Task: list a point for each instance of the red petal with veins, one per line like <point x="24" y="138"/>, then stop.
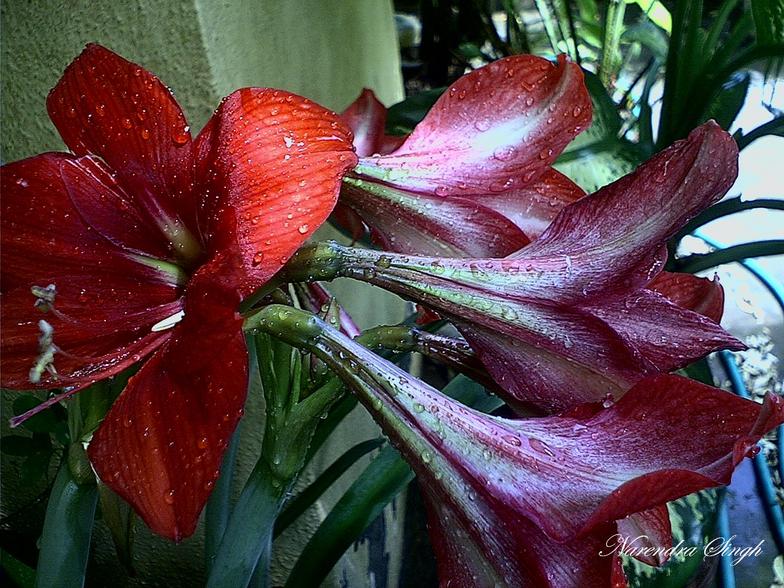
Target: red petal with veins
<point x="109" y="107"/>
<point x="687" y="291"/>
<point x="366" y="117"/>
<point x="105" y="301"/>
<point x="647" y="535"/>
<point x="623" y="226"/>
<point x="430" y="225"/>
<point x="279" y="160"/>
<point x="161" y="444"/>
<point x="497" y="128"/>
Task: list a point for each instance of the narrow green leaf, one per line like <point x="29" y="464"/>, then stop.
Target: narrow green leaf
<point x="313" y="492"/>
<point x="768" y="20"/>
<point x="726" y="105"/>
<point x="17" y="572"/>
<point x="119" y="517"/>
<point x="773" y="127"/>
<point x="703" y="261"/>
<point x="382" y="480"/>
<point x="68" y="526"/>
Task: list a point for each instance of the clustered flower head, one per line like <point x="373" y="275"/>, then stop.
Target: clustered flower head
<point x="139" y="245"/>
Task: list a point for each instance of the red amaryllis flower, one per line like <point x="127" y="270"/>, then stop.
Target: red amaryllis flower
<point x="475" y="177"/>
<point x="138" y="225"/>
<point x="581" y="303"/>
<point x="534" y="501"/>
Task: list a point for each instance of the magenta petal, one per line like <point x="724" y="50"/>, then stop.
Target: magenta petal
<point x="687" y="291"/>
<point x="533" y="207"/>
<point x="569" y="475"/>
<point x="491" y="551"/>
<point x="366" y="117"/>
<point x="615" y="233"/>
<point x="495" y="129"/>
<point x="430" y="225"/>
<point x="647" y="535"/>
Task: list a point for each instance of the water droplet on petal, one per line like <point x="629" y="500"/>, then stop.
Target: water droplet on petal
<point x="258" y="258"/>
<point x="303" y="229"/>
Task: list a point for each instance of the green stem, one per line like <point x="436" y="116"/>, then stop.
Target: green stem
<point x="702" y="261"/>
<point x="613" y="26"/>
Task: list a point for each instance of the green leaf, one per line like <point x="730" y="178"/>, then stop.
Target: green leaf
<point x="597" y="156"/>
<point x="703" y="261"/>
<point x="65" y="540"/>
<point x="20" y="446"/>
<point x="376" y="486"/>
<point x="21" y="575"/>
<point x="649" y="36"/>
<point x="404" y="116"/>
<point x="768" y="20"/>
<point x="773" y="127"/>
<point x="313" y="492"/>
<point x="724" y="108"/>
<point x="119" y="517"/>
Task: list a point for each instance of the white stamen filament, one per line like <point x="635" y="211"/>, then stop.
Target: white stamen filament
<point x="168" y="322"/>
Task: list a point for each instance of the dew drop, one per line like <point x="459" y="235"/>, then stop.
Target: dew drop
<point x="145" y="134"/>
<point x="258" y="258"/>
<point x="303" y="229"/>
<point x="168" y="497"/>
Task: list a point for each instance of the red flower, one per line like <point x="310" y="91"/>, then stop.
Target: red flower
<point x="583" y="303"/>
<point x="138" y="225"/>
<point x="474" y="179"/>
<point x="536" y="501"/>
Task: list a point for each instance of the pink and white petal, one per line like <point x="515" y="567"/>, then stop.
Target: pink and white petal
<point x="107" y="106"/>
<point x="421" y="224"/>
<point x="278" y="164"/>
<point x="488" y="550"/>
<point x="162" y="443"/>
<point x="497" y="128"/>
<point x="366" y="117"/>
<point x="647" y="535"/>
<point x="700" y="295"/>
<point x="533" y="207"/>
<point x="616" y="232"/>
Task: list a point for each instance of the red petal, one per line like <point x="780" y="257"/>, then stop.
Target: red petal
<point x="160" y="447"/>
<point x="647" y="535"/>
<point x="622" y="226"/>
<point x="110" y="107"/>
<point x="533" y="207"/>
<point x="687" y="291"/>
<point x="106" y="302"/>
<point x="430" y="225"/>
<point x="366" y="117"/>
<point x="279" y="160"/>
<point x="495" y="129"/>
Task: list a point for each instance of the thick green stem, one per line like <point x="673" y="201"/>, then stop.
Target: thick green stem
<point x="702" y="261"/>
